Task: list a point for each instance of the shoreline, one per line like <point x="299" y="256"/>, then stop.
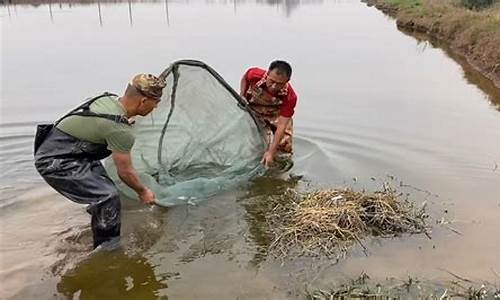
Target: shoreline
<point x="479" y="51"/>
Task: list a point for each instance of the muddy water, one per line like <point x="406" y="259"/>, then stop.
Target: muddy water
<point x="374" y="105"/>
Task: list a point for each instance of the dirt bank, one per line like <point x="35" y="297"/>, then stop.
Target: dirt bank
<point x="475" y="35"/>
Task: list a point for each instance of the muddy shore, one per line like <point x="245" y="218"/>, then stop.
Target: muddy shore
<point x="455" y="28"/>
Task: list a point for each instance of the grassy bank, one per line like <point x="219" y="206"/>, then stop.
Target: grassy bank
<point x="471" y="33"/>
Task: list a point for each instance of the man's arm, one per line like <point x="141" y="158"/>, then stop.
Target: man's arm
<point x="128" y="174"/>
<point x="268" y="157"/>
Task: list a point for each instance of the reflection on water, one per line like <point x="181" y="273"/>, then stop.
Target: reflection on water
<point x="470" y="74"/>
<point x="287" y="6"/>
<point x="108" y="275"/>
<point x="256" y="204"/>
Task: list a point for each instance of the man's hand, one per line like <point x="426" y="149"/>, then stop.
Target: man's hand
<point x="268" y="158"/>
<point x="147" y="196"/>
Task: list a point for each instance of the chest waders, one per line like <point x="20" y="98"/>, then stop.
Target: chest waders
<point x="73" y="168"/>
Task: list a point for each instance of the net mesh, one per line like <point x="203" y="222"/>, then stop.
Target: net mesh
<point x="200" y="140"/>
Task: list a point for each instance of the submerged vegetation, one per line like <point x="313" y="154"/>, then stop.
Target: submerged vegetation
<point x="326" y="222"/>
<point x="411" y="288"/>
<point x="470" y="27"/>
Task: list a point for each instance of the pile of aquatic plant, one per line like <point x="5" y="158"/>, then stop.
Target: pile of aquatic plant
<point x="325" y="222"/>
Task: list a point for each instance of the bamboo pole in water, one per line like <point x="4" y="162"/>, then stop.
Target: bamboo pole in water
<point x="166" y="12"/>
<point x="130" y="12"/>
<point x="50" y="12"/>
<point x="99" y="10"/>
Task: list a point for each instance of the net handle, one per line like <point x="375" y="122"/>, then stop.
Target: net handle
<point x="175" y="70"/>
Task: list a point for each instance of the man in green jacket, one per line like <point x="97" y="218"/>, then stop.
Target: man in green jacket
<point x="68" y="152"/>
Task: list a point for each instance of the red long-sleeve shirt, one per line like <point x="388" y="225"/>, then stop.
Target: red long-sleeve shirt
<point x="287" y="109"/>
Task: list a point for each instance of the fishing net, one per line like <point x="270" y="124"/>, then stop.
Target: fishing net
<point x="199" y="141"/>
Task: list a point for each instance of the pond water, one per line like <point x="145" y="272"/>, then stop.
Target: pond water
<point x="374" y="105"/>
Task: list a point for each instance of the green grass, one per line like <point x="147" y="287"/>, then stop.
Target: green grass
<point x="405" y="3"/>
<point x="477" y="4"/>
<point x="415" y="6"/>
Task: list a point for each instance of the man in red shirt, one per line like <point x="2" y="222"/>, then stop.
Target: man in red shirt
<point x="272" y="99"/>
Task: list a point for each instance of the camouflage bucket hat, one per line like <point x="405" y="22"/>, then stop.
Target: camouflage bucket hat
<point x="149" y="85"/>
